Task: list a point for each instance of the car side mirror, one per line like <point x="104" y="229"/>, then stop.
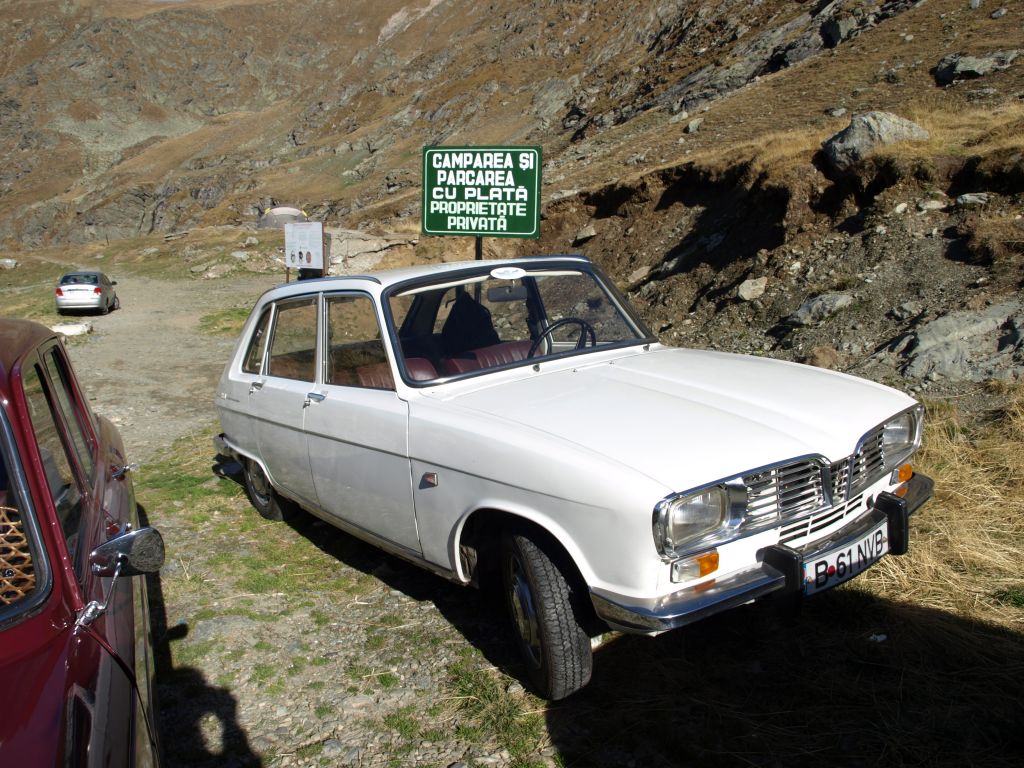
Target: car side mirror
<point x="137" y="552"/>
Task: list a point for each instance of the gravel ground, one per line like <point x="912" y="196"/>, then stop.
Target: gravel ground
<point x="148" y="368"/>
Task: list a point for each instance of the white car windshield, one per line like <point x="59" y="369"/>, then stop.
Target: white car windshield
<point x="482" y="320"/>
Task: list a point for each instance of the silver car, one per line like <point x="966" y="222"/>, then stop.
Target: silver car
<point x="86" y="290"/>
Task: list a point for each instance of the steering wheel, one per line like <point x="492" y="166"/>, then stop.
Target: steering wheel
<point x="586" y="329"/>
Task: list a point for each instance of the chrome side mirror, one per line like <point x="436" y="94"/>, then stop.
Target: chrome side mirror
<point x="129" y="554"/>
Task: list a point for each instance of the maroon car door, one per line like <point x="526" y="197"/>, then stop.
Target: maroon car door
<point x="92" y="493"/>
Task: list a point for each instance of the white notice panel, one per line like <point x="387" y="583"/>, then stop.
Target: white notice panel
<point x="304" y="245"/>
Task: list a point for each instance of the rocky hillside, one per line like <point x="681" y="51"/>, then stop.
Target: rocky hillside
<point x="683" y="145"/>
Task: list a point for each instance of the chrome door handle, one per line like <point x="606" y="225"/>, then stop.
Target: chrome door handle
<point x="255" y="386"/>
<point x="313" y="397"/>
<point x="118" y="472"/>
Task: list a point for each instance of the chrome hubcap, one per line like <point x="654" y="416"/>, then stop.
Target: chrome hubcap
<point x="524" y="614"/>
<point x="260" y="484"/>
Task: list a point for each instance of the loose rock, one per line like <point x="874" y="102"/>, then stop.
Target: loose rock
<point x="72" y="329"/>
<point x="819" y="308"/>
<point x="958" y="66"/>
<point x="866" y="133"/>
<point x="752" y="289"/>
<point x="587" y="233"/>
<point x="973" y="200"/>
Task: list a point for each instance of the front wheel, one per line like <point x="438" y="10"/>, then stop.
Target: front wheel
<point x="263" y="496"/>
<point x="539" y="601"/>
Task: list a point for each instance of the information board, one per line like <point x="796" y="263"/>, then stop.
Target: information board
<point x="304" y="245"/>
<point x="481" y="191"/>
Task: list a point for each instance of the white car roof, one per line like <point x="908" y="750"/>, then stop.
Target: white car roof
<point x="376" y="282"/>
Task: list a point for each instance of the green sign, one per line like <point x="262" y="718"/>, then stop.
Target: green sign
<point x="482" y="191"/>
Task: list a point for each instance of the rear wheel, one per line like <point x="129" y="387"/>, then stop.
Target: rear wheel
<point x="263" y="496"/>
<point x="539" y="601"/>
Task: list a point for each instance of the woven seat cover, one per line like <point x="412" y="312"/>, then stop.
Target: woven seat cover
<point x="17" y="576"/>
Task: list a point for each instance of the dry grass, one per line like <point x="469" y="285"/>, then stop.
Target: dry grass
<point x="956" y="129"/>
<point x="969" y="540"/>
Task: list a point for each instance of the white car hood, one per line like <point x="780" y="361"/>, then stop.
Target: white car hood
<point x="689" y="417"/>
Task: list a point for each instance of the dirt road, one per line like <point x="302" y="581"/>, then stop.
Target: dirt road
<point x="147" y="366"/>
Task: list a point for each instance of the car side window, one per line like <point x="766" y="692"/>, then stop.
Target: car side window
<point x="17" y="570"/>
<point x="253" y="362"/>
<point x="77" y="421"/>
<point x="293" y="347"/>
<point x="56" y="457"/>
<point x="355" y="352"/>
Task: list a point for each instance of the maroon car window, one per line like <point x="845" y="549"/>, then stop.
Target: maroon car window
<point x="254" y="356"/>
<point x="77" y="422"/>
<point x="17" y="572"/>
<point x="64" y="490"/>
<point x="293" y="348"/>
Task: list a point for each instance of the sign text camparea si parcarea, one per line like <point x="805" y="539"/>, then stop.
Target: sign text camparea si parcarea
<point x="491" y="191"/>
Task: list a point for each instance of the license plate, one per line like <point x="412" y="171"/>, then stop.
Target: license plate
<point x="843" y="563"/>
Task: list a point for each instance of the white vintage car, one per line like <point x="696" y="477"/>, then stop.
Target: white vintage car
<point x="516" y="417"/>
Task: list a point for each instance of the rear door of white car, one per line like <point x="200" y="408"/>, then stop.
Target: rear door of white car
<point x="278" y="399"/>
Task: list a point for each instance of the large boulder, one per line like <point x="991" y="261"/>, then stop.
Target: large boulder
<point x="967" y="346"/>
<point x="959" y="66"/>
<point x="867" y="132"/>
<point x="834" y="31"/>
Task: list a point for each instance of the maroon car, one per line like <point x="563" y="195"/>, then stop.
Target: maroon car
<point x="75" y="659"/>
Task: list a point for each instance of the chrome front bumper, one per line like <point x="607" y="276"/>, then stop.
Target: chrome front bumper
<point x="780" y="569"/>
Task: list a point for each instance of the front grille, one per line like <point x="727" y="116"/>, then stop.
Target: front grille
<point x="868" y="462"/>
<point x="816" y="493"/>
<point x="784" y="491"/>
<point x="812" y="527"/>
<point x="840" y="480"/>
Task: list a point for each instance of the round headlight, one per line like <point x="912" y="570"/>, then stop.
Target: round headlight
<point x="689" y="517"/>
<point x="897" y="438"/>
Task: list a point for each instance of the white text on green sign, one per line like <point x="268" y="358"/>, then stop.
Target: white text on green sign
<point x="481" y="191"/>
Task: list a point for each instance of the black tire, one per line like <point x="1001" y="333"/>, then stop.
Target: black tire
<point x="539" y="601"/>
<point x="117" y="303"/>
<point x="262" y="495"/>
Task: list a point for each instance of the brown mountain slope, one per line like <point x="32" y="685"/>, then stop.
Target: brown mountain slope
<point x="122" y="119"/>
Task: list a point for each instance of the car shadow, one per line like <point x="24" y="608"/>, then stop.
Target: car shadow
<point x="853" y="680"/>
<point x="476" y="613"/>
<point x="186" y="702"/>
<point x="847" y="678"/>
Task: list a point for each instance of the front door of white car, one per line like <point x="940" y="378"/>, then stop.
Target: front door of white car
<point x="357" y="427"/>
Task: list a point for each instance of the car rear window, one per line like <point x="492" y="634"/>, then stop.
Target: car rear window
<point x="293" y="348"/>
<point x="80" y="280"/>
